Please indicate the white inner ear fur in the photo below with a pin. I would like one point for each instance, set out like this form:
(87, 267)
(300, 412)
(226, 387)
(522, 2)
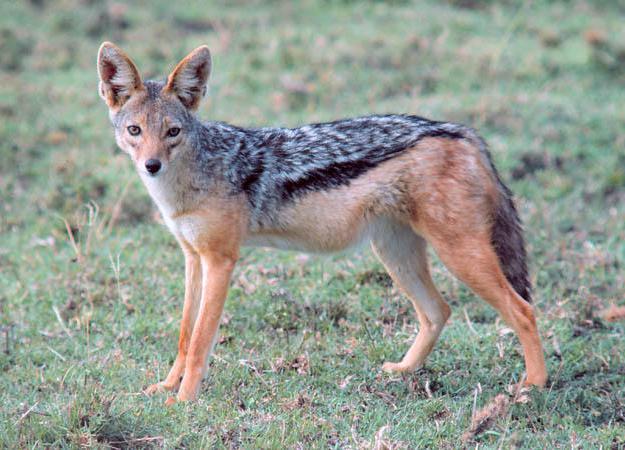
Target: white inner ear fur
(124, 79)
(189, 82)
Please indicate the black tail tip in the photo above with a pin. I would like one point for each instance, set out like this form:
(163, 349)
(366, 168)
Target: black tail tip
(508, 242)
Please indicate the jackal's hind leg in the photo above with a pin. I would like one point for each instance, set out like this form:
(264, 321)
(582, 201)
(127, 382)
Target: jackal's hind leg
(474, 261)
(404, 255)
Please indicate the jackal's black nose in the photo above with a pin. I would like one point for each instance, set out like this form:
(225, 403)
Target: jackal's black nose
(153, 165)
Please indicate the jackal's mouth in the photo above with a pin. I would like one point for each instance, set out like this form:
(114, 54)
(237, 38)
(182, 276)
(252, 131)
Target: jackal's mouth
(154, 175)
(144, 172)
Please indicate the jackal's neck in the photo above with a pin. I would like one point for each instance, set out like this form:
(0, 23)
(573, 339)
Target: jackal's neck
(228, 152)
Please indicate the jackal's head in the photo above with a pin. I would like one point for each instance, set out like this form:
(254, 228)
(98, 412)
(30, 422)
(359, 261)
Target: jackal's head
(153, 120)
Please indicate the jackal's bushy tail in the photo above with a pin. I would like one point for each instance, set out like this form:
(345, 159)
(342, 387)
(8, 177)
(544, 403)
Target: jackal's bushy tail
(507, 239)
(507, 236)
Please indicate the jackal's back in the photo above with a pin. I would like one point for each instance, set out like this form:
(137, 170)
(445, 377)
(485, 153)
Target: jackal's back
(275, 165)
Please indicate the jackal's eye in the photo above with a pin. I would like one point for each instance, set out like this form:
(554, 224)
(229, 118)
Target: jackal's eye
(173, 132)
(134, 130)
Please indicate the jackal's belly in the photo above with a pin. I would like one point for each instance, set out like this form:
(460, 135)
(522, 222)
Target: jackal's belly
(316, 238)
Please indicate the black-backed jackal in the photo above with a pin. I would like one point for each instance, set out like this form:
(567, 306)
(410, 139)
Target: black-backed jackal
(398, 181)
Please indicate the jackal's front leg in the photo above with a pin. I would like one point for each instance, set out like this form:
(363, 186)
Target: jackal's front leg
(216, 271)
(192, 295)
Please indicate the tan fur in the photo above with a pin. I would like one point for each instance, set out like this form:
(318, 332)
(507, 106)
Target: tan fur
(211, 245)
(404, 255)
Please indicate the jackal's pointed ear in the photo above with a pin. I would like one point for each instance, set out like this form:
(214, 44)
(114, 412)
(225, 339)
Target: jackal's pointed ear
(189, 78)
(119, 78)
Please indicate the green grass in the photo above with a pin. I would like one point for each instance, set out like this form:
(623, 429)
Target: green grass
(299, 361)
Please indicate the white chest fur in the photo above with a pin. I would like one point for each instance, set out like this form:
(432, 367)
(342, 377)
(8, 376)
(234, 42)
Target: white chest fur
(163, 192)
(168, 196)
(192, 228)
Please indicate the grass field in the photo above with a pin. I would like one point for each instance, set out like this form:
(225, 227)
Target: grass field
(91, 283)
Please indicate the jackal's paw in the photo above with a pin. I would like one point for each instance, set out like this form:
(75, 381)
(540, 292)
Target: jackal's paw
(186, 395)
(159, 387)
(539, 380)
(391, 367)
(178, 399)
